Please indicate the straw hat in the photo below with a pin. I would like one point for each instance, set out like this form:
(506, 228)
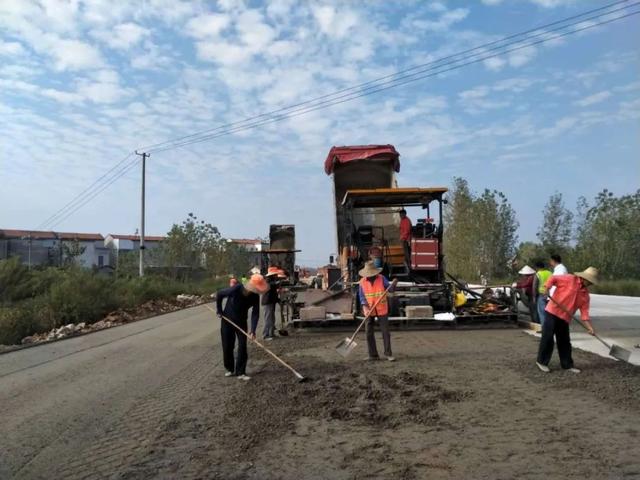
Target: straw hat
(257, 284)
(527, 270)
(369, 270)
(590, 274)
(273, 271)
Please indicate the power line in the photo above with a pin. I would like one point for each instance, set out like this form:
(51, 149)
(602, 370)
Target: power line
(402, 73)
(101, 189)
(395, 83)
(52, 219)
(371, 87)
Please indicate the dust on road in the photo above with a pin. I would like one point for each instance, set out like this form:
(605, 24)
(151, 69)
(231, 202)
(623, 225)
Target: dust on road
(466, 404)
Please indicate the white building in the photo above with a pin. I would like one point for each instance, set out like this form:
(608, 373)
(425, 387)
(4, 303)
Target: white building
(117, 244)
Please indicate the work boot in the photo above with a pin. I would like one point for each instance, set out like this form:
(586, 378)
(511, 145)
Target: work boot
(543, 368)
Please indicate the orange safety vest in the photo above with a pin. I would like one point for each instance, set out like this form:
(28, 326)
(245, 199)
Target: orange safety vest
(372, 292)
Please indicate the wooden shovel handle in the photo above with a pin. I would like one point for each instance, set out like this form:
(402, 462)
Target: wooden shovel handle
(372, 309)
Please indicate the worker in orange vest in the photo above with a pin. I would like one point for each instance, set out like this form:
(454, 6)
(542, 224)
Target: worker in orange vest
(372, 287)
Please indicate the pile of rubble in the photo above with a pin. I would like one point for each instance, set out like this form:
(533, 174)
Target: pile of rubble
(118, 317)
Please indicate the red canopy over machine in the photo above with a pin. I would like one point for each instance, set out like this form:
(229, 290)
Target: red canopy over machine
(339, 155)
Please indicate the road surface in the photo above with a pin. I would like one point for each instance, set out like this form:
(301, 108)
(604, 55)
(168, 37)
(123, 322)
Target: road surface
(148, 400)
(94, 400)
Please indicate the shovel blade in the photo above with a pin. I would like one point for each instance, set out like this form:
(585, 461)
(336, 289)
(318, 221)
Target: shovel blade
(620, 353)
(346, 346)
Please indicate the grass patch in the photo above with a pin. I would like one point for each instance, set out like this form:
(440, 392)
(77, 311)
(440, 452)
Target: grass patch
(36, 301)
(627, 288)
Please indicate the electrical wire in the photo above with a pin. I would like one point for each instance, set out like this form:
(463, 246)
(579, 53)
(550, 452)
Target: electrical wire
(395, 74)
(52, 219)
(403, 77)
(101, 189)
(395, 83)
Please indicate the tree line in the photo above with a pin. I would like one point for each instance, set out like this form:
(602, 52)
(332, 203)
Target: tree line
(480, 236)
(192, 248)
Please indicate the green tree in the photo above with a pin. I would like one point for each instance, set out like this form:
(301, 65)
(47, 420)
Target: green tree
(555, 233)
(480, 232)
(71, 252)
(194, 244)
(608, 235)
(459, 226)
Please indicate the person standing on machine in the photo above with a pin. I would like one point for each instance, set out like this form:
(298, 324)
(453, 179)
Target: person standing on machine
(405, 236)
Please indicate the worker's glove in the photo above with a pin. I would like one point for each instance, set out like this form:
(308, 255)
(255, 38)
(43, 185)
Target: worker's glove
(252, 335)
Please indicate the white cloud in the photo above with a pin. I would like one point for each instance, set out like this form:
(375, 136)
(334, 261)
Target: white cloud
(73, 54)
(444, 22)
(593, 99)
(208, 25)
(492, 2)
(61, 96)
(494, 63)
(253, 31)
(523, 56)
(11, 48)
(335, 23)
(122, 36)
(553, 3)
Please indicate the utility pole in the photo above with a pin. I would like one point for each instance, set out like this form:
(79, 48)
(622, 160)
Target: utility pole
(144, 156)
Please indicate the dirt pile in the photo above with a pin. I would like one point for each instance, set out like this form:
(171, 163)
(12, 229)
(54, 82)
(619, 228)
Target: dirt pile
(335, 393)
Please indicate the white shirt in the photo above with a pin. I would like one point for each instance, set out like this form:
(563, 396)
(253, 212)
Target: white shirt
(560, 269)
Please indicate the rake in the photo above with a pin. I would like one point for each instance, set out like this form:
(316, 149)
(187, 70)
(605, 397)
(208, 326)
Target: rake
(256, 342)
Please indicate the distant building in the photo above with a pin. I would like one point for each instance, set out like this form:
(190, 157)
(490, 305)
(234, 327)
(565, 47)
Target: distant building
(250, 245)
(118, 244)
(35, 247)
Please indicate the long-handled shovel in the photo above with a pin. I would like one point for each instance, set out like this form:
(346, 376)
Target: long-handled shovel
(346, 346)
(282, 362)
(615, 351)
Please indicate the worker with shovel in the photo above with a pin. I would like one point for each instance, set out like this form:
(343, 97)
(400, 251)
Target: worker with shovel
(373, 287)
(269, 302)
(571, 294)
(240, 298)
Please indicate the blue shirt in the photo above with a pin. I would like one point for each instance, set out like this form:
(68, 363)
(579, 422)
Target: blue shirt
(238, 305)
(363, 299)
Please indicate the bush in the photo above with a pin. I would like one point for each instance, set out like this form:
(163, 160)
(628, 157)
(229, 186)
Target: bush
(629, 288)
(31, 316)
(35, 301)
(81, 296)
(14, 281)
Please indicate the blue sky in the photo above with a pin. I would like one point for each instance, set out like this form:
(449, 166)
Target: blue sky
(84, 83)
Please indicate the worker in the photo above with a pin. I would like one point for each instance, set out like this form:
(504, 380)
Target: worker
(542, 275)
(240, 298)
(269, 302)
(233, 282)
(527, 294)
(405, 236)
(372, 287)
(556, 263)
(558, 268)
(572, 294)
